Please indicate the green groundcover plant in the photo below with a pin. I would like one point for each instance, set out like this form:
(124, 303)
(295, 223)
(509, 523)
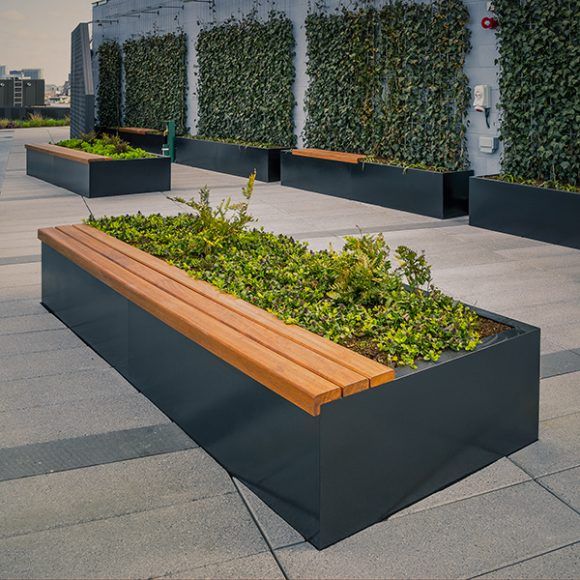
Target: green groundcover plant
(33, 121)
(107, 145)
(258, 144)
(365, 297)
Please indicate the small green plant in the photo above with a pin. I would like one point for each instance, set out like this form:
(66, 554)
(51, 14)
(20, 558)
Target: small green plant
(107, 145)
(33, 120)
(241, 142)
(536, 182)
(385, 308)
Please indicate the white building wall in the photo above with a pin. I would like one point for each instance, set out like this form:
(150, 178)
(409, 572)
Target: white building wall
(191, 17)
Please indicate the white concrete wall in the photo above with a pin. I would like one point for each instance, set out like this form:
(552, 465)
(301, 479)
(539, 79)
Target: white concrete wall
(192, 15)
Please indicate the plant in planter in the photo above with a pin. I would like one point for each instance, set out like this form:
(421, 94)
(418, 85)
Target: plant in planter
(186, 309)
(246, 99)
(388, 84)
(110, 146)
(537, 193)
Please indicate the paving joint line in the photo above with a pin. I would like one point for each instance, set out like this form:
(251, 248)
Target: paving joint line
(262, 532)
(515, 563)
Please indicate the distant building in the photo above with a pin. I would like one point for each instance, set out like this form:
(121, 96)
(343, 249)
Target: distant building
(19, 92)
(2, 71)
(28, 73)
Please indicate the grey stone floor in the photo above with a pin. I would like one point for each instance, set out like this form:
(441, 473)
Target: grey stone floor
(95, 482)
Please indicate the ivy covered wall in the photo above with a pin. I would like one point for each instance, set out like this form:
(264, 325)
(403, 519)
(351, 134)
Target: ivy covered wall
(155, 68)
(109, 112)
(539, 55)
(245, 80)
(390, 81)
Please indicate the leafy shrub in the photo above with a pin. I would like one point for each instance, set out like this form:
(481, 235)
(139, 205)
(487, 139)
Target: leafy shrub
(364, 297)
(109, 91)
(246, 78)
(107, 145)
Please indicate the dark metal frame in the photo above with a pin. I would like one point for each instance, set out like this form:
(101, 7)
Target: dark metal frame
(229, 158)
(429, 193)
(538, 213)
(102, 178)
(363, 458)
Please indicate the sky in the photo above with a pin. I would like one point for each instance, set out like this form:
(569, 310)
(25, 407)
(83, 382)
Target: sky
(36, 34)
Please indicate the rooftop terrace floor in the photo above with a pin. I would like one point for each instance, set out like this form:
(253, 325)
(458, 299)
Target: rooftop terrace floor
(96, 482)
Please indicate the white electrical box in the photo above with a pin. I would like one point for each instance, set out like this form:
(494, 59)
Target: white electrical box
(481, 98)
(488, 144)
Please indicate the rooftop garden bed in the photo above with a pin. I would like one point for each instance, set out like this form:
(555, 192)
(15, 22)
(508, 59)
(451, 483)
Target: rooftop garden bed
(378, 302)
(110, 146)
(33, 121)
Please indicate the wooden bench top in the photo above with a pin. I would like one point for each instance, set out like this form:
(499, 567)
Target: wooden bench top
(304, 368)
(137, 130)
(353, 158)
(66, 153)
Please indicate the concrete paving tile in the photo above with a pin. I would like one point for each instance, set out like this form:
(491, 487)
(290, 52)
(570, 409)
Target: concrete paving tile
(559, 313)
(559, 363)
(559, 396)
(30, 342)
(41, 364)
(55, 389)
(11, 305)
(557, 449)
(567, 335)
(142, 545)
(502, 473)
(30, 323)
(19, 275)
(566, 485)
(77, 419)
(563, 564)
(275, 529)
(105, 491)
(259, 566)
(461, 539)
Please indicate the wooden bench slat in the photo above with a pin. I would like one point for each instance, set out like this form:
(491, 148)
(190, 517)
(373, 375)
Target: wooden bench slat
(137, 130)
(376, 373)
(66, 153)
(349, 381)
(353, 158)
(295, 383)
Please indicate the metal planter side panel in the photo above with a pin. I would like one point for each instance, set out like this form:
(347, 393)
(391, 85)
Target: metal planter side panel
(58, 171)
(229, 158)
(268, 443)
(128, 176)
(152, 143)
(386, 448)
(93, 311)
(537, 213)
(429, 193)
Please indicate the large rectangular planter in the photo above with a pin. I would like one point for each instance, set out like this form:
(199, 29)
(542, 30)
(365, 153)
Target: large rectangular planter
(363, 457)
(103, 178)
(538, 213)
(429, 193)
(229, 158)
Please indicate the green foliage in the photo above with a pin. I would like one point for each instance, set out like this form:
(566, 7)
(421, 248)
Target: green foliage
(156, 81)
(508, 178)
(356, 297)
(109, 91)
(241, 142)
(107, 145)
(389, 82)
(246, 77)
(33, 120)
(539, 56)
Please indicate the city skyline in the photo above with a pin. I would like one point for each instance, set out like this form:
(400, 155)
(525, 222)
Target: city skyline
(28, 27)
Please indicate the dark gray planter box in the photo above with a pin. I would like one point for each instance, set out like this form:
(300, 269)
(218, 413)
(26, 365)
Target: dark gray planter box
(429, 193)
(229, 158)
(538, 213)
(102, 178)
(363, 458)
(151, 142)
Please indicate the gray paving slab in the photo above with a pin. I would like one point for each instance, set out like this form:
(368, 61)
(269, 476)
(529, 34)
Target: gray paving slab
(557, 449)
(11, 307)
(30, 323)
(559, 363)
(259, 566)
(105, 491)
(42, 341)
(563, 564)
(19, 275)
(19, 259)
(559, 396)
(566, 485)
(40, 364)
(76, 419)
(142, 545)
(457, 540)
